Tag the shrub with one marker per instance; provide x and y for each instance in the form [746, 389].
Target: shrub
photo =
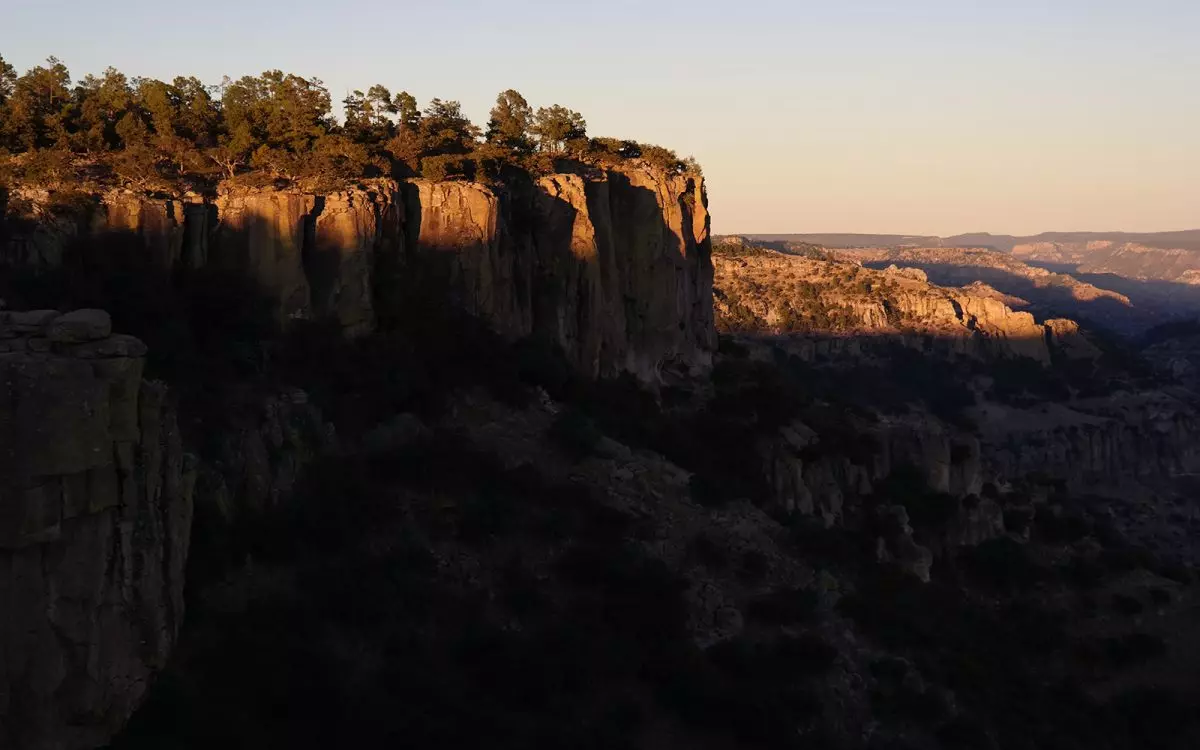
[1084, 572]
[706, 550]
[1126, 605]
[784, 607]
[447, 167]
[1017, 520]
[1160, 597]
[1133, 648]
[753, 566]
[1002, 563]
[575, 433]
[709, 492]
[1062, 527]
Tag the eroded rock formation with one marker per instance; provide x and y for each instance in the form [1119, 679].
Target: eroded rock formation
[95, 516]
[841, 304]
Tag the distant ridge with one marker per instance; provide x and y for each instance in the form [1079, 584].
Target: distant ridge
[1181, 240]
[846, 240]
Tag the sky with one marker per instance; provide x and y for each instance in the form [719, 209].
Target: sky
[882, 116]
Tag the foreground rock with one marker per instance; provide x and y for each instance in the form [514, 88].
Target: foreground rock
[95, 516]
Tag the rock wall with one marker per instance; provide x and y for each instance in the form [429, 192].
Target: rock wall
[614, 266]
[1090, 445]
[811, 476]
[95, 516]
[828, 306]
[1096, 441]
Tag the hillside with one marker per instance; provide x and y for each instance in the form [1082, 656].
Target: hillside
[789, 294]
[1124, 283]
[1046, 292]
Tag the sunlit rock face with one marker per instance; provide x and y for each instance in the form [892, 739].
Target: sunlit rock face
[613, 265]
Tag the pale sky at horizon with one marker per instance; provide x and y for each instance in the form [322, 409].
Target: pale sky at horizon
[880, 116]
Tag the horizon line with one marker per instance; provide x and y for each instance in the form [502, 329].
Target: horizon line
[959, 234]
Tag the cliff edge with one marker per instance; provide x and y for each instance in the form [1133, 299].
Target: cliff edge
[612, 265]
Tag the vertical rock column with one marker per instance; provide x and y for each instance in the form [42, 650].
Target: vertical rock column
[95, 516]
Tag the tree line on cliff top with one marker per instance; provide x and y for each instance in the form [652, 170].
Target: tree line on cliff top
[163, 136]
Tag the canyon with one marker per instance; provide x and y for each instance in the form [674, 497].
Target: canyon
[720, 410]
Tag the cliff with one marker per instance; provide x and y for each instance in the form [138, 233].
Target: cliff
[842, 301]
[611, 265]
[95, 516]
[952, 265]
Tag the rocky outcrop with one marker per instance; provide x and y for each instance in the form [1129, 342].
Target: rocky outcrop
[956, 265]
[1064, 336]
[95, 516]
[612, 265]
[1095, 441]
[261, 455]
[819, 300]
[312, 255]
[816, 475]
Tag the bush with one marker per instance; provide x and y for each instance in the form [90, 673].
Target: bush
[753, 566]
[709, 492]
[1133, 648]
[1062, 527]
[1017, 520]
[1153, 717]
[1002, 563]
[1084, 572]
[1126, 605]
[785, 607]
[706, 550]
[783, 660]
[575, 433]
[1160, 597]
[447, 167]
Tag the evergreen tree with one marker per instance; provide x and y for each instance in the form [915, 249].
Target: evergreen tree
[8, 84]
[445, 130]
[369, 116]
[156, 135]
[557, 128]
[100, 103]
[8, 80]
[510, 122]
[41, 107]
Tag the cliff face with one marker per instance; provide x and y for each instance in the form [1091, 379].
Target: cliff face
[1096, 441]
[842, 300]
[952, 265]
[95, 515]
[1093, 445]
[614, 266]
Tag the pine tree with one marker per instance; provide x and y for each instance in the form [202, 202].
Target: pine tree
[510, 122]
[557, 127]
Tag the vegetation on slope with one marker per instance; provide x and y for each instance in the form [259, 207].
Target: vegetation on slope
[183, 134]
